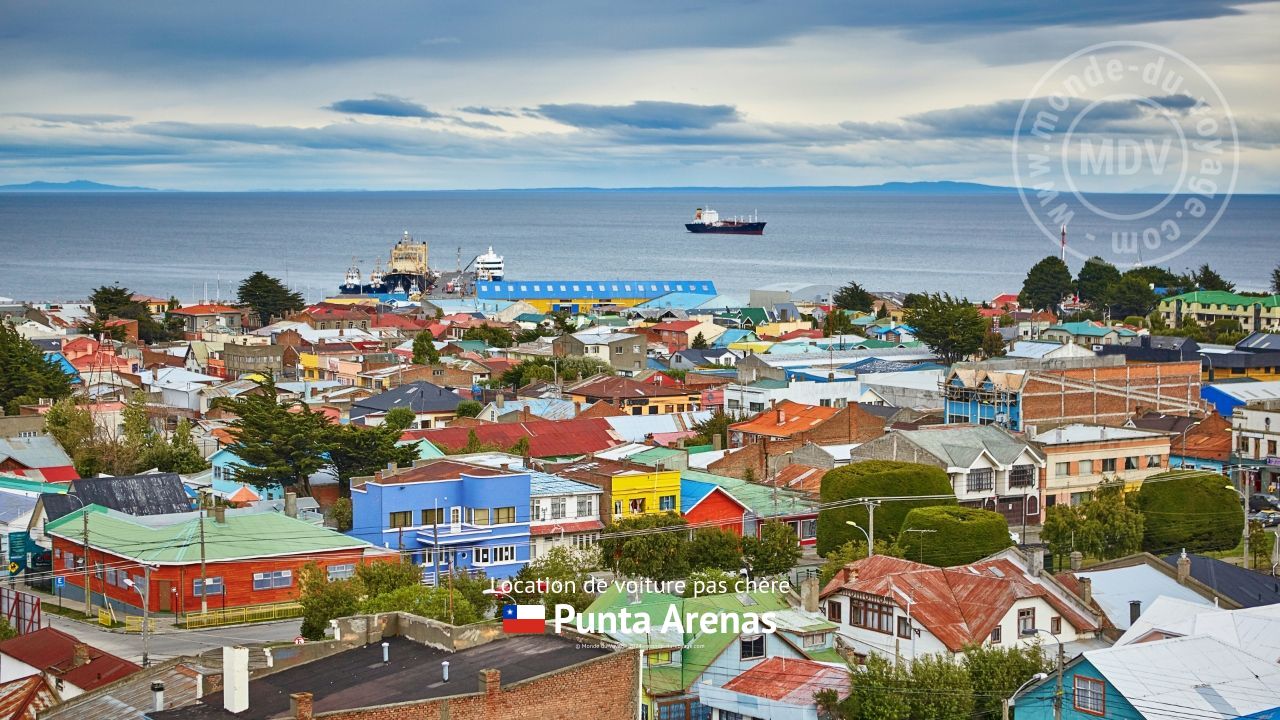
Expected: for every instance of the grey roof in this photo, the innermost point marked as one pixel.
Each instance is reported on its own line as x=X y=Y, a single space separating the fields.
x=1077 y=433
x=1246 y=587
x=153 y=494
x=959 y=446
x=1032 y=348
x=1115 y=588
x=130 y=698
x=14 y=506
x=1260 y=342
x=40 y=451
x=421 y=397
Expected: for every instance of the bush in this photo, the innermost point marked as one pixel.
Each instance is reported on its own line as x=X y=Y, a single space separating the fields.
x=960 y=535
x=876 y=478
x=1192 y=510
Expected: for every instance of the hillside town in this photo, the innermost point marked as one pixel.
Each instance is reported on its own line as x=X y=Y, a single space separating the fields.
x=1058 y=502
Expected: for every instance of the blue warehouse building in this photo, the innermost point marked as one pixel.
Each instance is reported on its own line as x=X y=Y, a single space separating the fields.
x=580 y=296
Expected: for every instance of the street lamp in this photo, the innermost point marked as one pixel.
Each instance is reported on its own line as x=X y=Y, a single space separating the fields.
x=143 y=594
x=867 y=535
x=1006 y=704
x=1057 y=694
x=1244 y=502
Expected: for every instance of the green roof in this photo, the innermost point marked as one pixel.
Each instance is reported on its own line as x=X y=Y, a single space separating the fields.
x=1222 y=297
x=769 y=384
x=247 y=535
x=1088 y=329
x=426 y=449
x=693 y=449
x=530 y=317
x=760 y=499
x=654 y=455
x=17 y=483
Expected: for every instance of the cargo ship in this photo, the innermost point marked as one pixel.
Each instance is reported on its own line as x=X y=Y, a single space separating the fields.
x=708 y=221
x=407 y=273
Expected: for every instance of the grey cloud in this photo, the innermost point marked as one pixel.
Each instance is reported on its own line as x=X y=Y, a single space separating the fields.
x=384 y=106
x=642 y=114
x=491 y=112
x=72 y=118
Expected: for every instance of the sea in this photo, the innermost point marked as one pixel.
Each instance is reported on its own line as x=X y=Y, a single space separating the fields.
x=59 y=246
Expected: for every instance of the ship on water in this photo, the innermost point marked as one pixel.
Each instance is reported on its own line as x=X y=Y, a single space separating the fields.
x=708 y=221
x=407 y=272
x=489 y=266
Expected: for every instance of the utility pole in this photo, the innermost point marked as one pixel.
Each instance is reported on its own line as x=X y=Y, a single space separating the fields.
x=204 y=581
x=146 y=614
x=88 y=589
x=871 y=506
x=1057 y=693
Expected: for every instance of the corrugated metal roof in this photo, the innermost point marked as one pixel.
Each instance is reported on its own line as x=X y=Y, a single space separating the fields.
x=634 y=428
x=588 y=289
x=1077 y=433
x=40 y=451
x=547 y=438
x=790 y=680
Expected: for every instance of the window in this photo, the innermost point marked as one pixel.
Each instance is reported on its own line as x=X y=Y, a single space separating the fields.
x=618 y=350
x=1022 y=476
x=835 y=612
x=479 y=516
x=212 y=586
x=815 y=639
x=659 y=657
x=269 y=580
x=808 y=529
x=536 y=512
x=1153 y=461
x=495 y=555
x=996 y=635
x=1086 y=467
x=585 y=508
x=871 y=615
x=617 y=507
x=504 y=515
x=1131 y=462
x=1090 y=695
x=904 y=627
x=1062 y=469
x=751 y=647
x=400 y=519
x=1055 y=624
x=341 y=572
x=434 y=516
x=667 y=502
x=557 y=508
x=1026 y=620
x=980 y=480
x=69 y=561
x=637 y=506
x=111 y=577
x=1109 y=465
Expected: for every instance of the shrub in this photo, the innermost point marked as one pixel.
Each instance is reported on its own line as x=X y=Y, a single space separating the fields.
x=1192 y=510
x=960 y=535
x=876 y=478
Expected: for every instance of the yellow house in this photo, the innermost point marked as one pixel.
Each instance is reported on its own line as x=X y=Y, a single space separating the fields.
x=1203 y=307
x=309 y=365
x=754 y=346
x=629 y=490
x=778 y=329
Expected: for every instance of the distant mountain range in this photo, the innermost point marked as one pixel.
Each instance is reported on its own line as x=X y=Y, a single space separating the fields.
x=72 y=186
x=937 y=187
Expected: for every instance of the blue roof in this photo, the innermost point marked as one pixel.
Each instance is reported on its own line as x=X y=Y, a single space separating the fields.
x=693 y=491
x=545 y=408
x=541 y=483
x=678 y=300
x=589 y=289
x=733 y=335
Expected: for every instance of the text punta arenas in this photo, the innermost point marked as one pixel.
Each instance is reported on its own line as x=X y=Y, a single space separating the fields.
x=628 y=622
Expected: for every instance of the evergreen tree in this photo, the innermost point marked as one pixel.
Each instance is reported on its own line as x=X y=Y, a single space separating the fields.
x=113 y=301
x=699 y=342
x=952 y=328
x=1207 y=279
x=26 y=375
x=1275 y=280
x=715 y=426
x=993 y=345
x=356 y=450
x=491 y=335
x=1048 y=283
x=469 y=408
x=424 y=349
x=267 y=297
x=1131 y=296
x=282 y=443
x=1095 y=281
x=853 y=297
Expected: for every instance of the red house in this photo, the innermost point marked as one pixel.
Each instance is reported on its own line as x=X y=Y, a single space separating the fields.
x=705 y=504
x=251 y=557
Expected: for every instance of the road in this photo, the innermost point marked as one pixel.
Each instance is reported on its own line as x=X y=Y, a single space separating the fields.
x=165 y=645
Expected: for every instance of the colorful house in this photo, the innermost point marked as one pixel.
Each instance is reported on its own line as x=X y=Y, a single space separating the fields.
x=628 y=489
x=706 y=504
x=225 y=466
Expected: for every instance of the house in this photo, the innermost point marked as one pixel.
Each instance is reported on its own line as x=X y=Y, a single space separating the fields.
x=432 y=405
x=274 y=360
x=1254 y=629
x=679 y=335
x=199 y=318
x=705 y=504
x=224 y=468
x=1078 y=458
x=690 y=358
x=676 y=670
x=67 y=663
x=623 y=351
x=489 y=675
x=237 y=568
x=1047 y=350
x=661 y=429
x=627 y=489
x=785 y=428
x=136 y=495
x=1255 y=435
x=904 y=609
x=450 y=515
x=779 y=688
x=1245 y=588
x=544 y=438
x=1205 y=307
x=36 y=456
x=333 y=316
x=1196 y=442
x=989 y=467
x=25 y=698
x=765 y=504
x=1087 y=334
x=632 y=397
x=524 y=409
x=1227 y=396
x=735 y=335
x=1197 y=676
x=132 y=696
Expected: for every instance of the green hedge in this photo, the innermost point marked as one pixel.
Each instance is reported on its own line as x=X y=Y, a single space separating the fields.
x=876 y=478
x=1192 y=510
x=960 y=535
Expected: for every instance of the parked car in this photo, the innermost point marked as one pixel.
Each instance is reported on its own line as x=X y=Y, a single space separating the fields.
x=1263 y=501
x=1268 y=518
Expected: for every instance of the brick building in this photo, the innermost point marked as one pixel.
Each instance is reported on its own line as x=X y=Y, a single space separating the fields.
x=1079 y=458
x=781 y=430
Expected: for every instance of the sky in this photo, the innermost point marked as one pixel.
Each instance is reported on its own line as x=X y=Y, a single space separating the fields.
x=419 y=94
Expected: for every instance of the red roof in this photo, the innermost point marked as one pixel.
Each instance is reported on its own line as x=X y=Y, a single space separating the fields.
x=54 y=473
x=53 y=651
x=437 y=470
x=392 y=320
x=804 y=478
x=337 y=311
x=208 y=309
x=573 y=527
x=959 y=605
x=612 y=386
x=25 y=698
x=790 y=680
x=802 y=333
x=547 y=438
x=786 y=419
x=676 y=325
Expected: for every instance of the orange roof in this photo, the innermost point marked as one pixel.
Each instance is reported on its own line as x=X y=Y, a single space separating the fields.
x=805 y=478
x=786 y=419
x=243 y=495
x=209 y=309
x=790 y=680
x=676 y=325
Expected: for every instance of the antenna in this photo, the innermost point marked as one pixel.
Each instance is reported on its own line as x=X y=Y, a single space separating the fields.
x=1064 y=243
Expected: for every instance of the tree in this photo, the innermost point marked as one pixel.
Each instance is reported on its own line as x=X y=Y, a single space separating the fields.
x=569 y=369
x=1048 y=282
x=1275 y=280
x=993 y=345
x=380 y=578
x=73 y=427
x=1260 y=543
x=710 y=581
x=1105 y=526
x=952 y=328
x=714 y=548
x=469 y=408
x=853 y=297
x=1207 y=279
x=565 y=571
x=267 y=297
x=26 y=375
x=876 y=693
x=6 y=630
x=715 y=426
x=341 y=513
x=699 y=342
x=179 y=454
x=775 y=552
x=323 y=600
x=113 y=301
x=471 y=587
x=281 y=443
x=876 y=478
x=424 y=349
x=933 y=673
x=955 y=535
x=436 y=603
x=1189 y=510
x=491 y=335
x=1096 y=279
x=658 y=555
x=399 y=419
x=359 y=450
x=996 y=671
x=852 y=551
x=837 y=322
x=1131 y=296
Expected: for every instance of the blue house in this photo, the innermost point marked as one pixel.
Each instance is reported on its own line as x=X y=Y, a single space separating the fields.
x=225 y=466
x=448 y=515
x=1196 y=676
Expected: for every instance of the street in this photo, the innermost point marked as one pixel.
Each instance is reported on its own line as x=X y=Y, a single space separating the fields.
x=170 y=643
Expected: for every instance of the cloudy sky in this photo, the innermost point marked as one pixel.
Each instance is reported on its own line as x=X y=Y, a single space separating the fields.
x=409 y=94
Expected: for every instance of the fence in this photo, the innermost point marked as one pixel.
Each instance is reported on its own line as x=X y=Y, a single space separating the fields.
x=21 y=610
x=236 y=616
x=133 y=623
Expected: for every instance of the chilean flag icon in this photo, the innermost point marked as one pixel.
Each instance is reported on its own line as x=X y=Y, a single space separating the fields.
x=524 y=618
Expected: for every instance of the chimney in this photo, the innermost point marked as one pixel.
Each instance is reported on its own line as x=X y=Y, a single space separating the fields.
x=525 y=415
x=505 y=465
x=717 y=442
x=291 y=504
x=782 y=415
x=1036 y=562
x=386 y=653
x=577 y=408
x=80 y=655
x=1077 y=560
x=1135 y=611
x=444 y=671
x=220 y=514
x=500 y=401
x=1086 y=590
x=809 y=594
x=300 y=706
x=490 y=682
x=1184 y=568
x=157 y=696
x=235 y=681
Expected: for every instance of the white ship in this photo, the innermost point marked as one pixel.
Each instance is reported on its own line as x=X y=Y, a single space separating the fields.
x=489 y=266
